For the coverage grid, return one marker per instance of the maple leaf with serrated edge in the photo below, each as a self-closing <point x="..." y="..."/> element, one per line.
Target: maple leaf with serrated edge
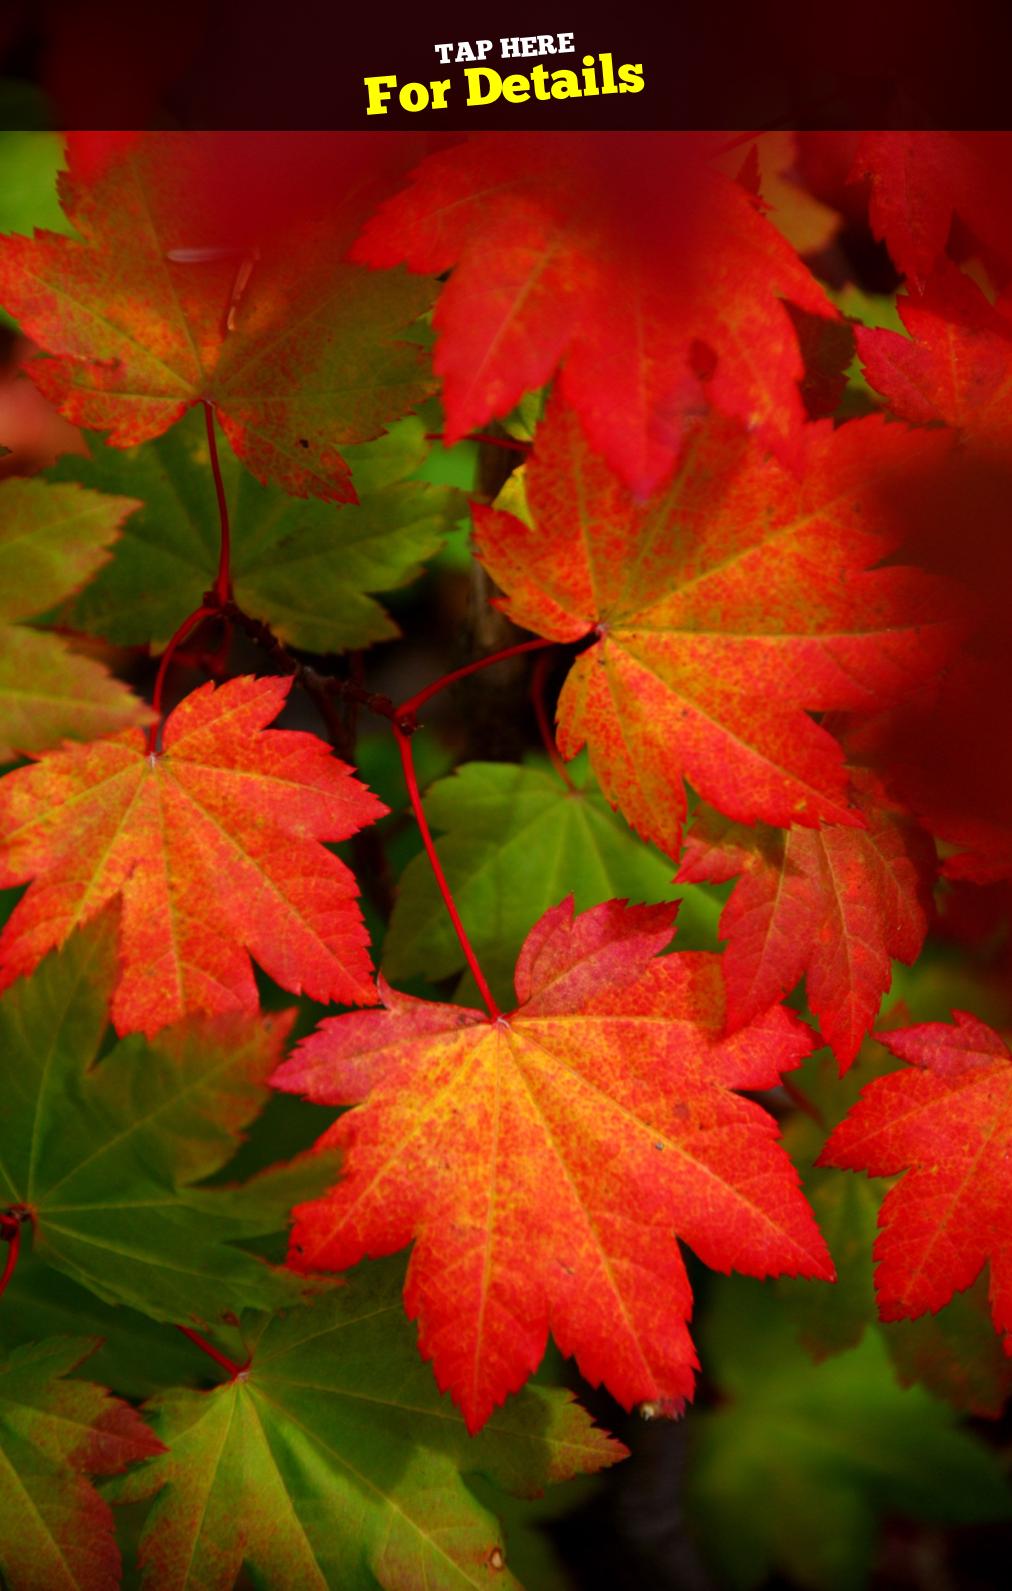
<point x="954" y="1354"/>
<point x="213" y="845"/>
<point x="735" y="599"/>
<point x="544" y="1161"/>
<point x="332" y="1460"/>
<point x="945" y="1122"/>
<point x="921" y="180"/>
<point x="648" y="274"/>
<point x="305" y="568"/>
<point x="135" y="329"/>
<point x="52" y="538"/>
<point x="832" y="904"/>
<point x="56" y="1531"/>
<point x="137" y="1357"/>
<point x="104" y="1157"/>
<point x="956" y="363"/>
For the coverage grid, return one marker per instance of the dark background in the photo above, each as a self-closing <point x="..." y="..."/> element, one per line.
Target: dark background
<point x="254" y="64"/>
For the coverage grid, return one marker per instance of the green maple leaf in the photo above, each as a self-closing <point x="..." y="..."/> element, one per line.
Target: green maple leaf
<point x="307" y="568"/>
<point x="52" y="538"/>
<point x="136" y="1356"/>
<point x="56" y="1532"/>
<point x="103" y="1156"/>
<point x="796" y="1468"/>
<point x="515" y="840"/>
<point x="334" y="1461"/>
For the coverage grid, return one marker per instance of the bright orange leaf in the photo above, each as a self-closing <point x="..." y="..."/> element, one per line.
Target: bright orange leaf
<point x="544" y="1162"/>
<point x="945" y="1122"/>
<point x="213" y="846"/>
<point x="649" y="274"/>
<point x="734" y="600"/>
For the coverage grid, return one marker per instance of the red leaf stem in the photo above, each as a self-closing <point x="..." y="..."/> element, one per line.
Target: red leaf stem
<point x="512" y="443"/>
<point x="408" y="709"/>
<point x="223" y="579"/>
<point x="214" y="1353"/>
<point x="411" y="780"/>
<point x="11" y="1223"/>
<point x="184" y="630"/>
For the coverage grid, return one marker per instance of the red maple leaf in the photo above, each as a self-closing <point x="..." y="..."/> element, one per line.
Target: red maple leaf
<point x="833" y="904"/>
<point x="956" y="364"/>
<point x="651" y="277"/>
<point x="945" y="1122"/>
<point x="734" y="600"/>
<point x="172" y="296"/>
<point x="921" y="181"/>
<point x="543" y="1162"/>
<point x="213" y="846"/>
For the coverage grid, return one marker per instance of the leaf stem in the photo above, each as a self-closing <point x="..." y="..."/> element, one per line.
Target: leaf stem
<point x="177" y="640"/>
<point x="408" y="709"/>
<point x="323" y="686"/>
<point x="214" y="1353"/>
<point x="411" y="780"/>
<point x="803" y="1103"/>
<point x="513" y="444"/>
<point x="538" y="676"/>
<point x="11" y="1222"/>
<point x="223" y="579"/>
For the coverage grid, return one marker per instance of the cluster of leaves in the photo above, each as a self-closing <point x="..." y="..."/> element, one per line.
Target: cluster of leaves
<point x="757" y="544"/>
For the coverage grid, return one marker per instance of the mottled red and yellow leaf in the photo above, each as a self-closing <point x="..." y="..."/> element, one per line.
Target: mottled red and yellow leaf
<point x="213" y="845"/>
<point x="545" y="1162"/>
<point x="738" y="599"/>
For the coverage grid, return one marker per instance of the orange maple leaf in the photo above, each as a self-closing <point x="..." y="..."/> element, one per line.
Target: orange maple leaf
<point x="544" y="1161"/>
<point x="213" y="845"/>
<point x="734" y="600"/>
